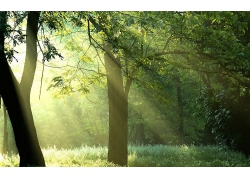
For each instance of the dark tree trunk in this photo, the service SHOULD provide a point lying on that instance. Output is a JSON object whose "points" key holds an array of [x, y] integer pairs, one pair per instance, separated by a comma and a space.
{"points": [[118, 110], [209, 138], [156, 137], [180, 111], [140, 134], [17, 98]]}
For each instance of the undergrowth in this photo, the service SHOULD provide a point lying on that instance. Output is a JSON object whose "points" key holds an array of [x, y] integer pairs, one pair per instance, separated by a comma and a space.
{"points": [[139, 156]]}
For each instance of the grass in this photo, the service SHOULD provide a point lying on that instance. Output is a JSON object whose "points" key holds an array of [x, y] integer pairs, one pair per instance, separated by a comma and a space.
{"points": [[139, 156]]}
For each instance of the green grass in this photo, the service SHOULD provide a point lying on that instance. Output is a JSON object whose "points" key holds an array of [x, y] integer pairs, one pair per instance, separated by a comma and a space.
{"points": [[140, 156]]}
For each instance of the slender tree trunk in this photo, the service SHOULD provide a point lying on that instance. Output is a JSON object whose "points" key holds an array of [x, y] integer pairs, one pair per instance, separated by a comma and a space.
{"points": [[140, 134], [26, 84], [181, 112], [209, 138], [139, 129], [5, 131], [17, 97], [118, 110]]}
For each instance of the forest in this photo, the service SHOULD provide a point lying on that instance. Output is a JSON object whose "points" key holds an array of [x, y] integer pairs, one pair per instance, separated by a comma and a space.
{"points": [[125, 88]]}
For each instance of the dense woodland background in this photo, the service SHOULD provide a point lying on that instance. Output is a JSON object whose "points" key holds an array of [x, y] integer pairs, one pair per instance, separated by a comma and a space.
{"points": [[148, 78]]}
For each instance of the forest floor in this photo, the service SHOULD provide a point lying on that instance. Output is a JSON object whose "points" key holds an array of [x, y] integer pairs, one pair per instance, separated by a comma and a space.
{"points": [[139, 156]]}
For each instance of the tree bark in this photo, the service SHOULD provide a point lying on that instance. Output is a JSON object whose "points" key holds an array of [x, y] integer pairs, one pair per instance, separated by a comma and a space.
{"points": [[5, 131], [180, 111], [17, 97], [118, 110], [140, 134], [209, 137]]}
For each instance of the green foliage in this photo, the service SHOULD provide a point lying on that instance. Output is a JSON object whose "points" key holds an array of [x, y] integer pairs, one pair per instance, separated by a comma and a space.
{"points": [[220, 41], [13, 27], [54, 20], [216, 44], [50, 51], [228, 116]]}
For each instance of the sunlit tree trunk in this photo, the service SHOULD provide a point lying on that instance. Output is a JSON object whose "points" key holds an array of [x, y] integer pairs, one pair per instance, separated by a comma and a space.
{"points": [[5, 131], [17, 97], [25, 86], [118, 110]]}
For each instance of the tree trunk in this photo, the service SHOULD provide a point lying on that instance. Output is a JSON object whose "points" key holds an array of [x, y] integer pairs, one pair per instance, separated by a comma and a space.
{"points": [[118, 110], [5, 131], [140, 134], [26, 84], [209, 137], [181, 113], [17, 97]]}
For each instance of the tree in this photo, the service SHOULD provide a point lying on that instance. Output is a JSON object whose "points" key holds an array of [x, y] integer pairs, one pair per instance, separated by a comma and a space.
{"points": [[17, 96], [112, 24], [118, 110], [5, 131]]}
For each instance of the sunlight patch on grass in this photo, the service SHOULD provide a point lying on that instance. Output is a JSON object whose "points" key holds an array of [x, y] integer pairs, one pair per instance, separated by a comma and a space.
{"points": [[9, 160], [79, 157]]}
